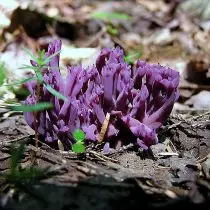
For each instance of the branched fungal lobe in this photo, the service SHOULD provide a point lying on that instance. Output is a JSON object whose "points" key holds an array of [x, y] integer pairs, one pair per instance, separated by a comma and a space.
{"points": [[138, 99]]}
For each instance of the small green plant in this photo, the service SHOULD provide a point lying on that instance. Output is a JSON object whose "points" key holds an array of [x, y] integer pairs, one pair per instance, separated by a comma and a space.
{"points": [[133, 55], [16, 106], [22, 179], [30, 108], [39, 63], [2, 73], [79, 146], [108, 18], [112, 30]]}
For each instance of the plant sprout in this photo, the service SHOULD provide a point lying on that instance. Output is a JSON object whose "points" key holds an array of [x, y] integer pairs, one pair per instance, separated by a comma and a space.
{"points": [[16, 106], [108, 18], [39, 63], [2, 73], [79, 146]]}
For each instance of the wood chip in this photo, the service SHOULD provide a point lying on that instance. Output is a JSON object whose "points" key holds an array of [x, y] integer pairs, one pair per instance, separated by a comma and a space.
{"points": [[104, 128], [60, 145]]}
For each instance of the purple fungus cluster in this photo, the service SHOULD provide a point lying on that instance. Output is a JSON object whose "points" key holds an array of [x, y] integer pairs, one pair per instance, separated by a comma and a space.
{"points": [[138, 100]]}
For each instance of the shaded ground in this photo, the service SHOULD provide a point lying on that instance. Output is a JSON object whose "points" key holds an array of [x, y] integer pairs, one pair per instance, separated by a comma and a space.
{"points": [[122, 178]]}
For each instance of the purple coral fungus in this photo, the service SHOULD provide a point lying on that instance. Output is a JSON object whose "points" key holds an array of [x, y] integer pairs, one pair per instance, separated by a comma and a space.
{"points": [[138, 99]]}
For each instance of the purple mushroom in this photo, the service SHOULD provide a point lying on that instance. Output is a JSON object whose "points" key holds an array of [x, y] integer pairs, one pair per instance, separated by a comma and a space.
{"points": [[138, 99]]}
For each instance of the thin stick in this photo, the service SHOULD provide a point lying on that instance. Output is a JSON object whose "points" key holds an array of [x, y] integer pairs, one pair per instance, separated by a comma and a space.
{"points": [[35, 129], [35, 116], [104, 128]]}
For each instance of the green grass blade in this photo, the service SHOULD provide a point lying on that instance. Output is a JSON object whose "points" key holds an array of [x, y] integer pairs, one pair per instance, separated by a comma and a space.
{"points": [[30, 54], [55, 92], [109, 16], [29, 67], [31, 108], [50, 57], [2, 73], [130, 58], [78, 147], [21, 81]]}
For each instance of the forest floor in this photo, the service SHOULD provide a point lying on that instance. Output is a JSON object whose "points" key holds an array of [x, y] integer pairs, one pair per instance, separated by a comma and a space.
{"points": [[173, 173]]}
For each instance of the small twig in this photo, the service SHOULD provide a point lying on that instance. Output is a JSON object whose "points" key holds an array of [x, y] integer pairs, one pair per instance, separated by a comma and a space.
{"points": [[104, 128], [49, 156], [86, 170], [95, 167], [69, 155], [199, 116], [173, 125], [36, 130], [201, 124], [35, 115], [163, 167], [170, 148], [168, 154], [46, 145], [102, 157], [202, 159], [7, 143]]}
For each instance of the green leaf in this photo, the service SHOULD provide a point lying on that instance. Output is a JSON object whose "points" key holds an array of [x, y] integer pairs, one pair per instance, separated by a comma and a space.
{"points": [[2, 74], [31, 108], [39, 77], [79, 135], [40, 60], [111, 30], [29, 67], [78, 147], [55, 92], [50, 57], [109, 16], [41, 54], [21, 81], [133, 55], [30, 54], [35, 68], [131, 58]]}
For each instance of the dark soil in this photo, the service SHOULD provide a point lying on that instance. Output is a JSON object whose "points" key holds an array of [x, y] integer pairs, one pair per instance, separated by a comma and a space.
{"points": [[122, 180]]}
